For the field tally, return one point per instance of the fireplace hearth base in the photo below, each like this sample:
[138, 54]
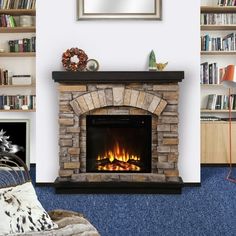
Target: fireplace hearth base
[70, 187]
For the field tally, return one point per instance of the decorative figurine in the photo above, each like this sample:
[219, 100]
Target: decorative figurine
[152, 62]
[161, 66]
[24, 107]
[92, 65]
[6, 107]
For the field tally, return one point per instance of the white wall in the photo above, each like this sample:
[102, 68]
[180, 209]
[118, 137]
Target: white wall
[209, 2]
[119, 45]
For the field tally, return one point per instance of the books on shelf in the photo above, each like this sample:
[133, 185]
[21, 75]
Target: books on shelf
[226, 3]
[17, 4]
[23, 45]
[218, 19]
[227, 43]
[16, 102]
[220, 102]
[210, 73]
[4, 77]
[7, 21]
[210, 118]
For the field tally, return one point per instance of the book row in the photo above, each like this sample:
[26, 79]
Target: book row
[226, 3]
[7, 21]
[16, 102]
[210, 73]
[4, 77]
[210, 118]
[221, 102]
[7, 79]
[227, 43]
[218, 19]
[23, 45]
[17, 4]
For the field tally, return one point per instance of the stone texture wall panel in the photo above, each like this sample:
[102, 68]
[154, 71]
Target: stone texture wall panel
[160, 101]
[89, 101]
[82, 104]
[118, 96]
[102, 98]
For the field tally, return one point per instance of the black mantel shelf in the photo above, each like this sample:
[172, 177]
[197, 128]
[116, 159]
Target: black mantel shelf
[117, 77]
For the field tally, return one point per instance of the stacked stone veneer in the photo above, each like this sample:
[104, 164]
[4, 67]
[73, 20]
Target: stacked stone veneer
[77, 101]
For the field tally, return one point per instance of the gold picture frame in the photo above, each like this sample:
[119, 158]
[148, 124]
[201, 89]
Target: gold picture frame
[104, 9]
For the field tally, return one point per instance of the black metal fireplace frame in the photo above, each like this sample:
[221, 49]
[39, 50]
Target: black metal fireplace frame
[144, 121]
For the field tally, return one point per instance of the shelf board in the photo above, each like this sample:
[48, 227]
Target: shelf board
[18, 29]
[18, 86]
[18, 12]
[218, 27]
[218, 53]
[212, 85]
[218, 9]
[19, 110]
[216, 111]
[17, 54]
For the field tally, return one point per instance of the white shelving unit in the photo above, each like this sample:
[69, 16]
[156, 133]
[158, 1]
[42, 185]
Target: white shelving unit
[214, 134]
[17, 63]
[223, 58]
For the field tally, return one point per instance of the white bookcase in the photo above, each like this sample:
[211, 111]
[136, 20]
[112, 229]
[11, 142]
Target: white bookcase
[222, 58]
[214, 134]
[19, 63]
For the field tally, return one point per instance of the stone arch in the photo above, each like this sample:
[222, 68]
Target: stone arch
[118, 96]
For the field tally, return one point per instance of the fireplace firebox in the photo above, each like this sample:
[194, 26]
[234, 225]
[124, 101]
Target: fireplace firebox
[118, 143]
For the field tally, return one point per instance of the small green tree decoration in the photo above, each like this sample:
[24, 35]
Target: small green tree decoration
[152, 62]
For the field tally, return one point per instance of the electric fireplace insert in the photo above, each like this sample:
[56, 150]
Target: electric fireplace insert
[118, 143]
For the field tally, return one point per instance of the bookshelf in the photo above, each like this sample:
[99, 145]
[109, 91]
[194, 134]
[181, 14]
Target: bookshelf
[218, 9]
[218, 27]
[214, 134]
[17, 86]
[222, 58]
[216, 111]
[18, 12]
[219, 53]
[19, 110]
[17, 63]
[17, 54]
[211, 86]
[18, 29]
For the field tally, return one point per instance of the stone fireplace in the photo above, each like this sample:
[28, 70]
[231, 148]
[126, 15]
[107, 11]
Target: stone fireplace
[118, 131]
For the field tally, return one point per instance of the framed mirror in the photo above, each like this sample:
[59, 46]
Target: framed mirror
[119, 9]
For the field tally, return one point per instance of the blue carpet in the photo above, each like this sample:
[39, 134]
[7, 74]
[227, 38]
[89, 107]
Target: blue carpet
[207, 210]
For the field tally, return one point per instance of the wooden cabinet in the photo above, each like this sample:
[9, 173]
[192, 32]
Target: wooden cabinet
[215, 142]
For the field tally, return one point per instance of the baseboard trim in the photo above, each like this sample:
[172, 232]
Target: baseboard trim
[44, 185]
[70, 187]
[217, 165]
[192, 185]
[53, 185]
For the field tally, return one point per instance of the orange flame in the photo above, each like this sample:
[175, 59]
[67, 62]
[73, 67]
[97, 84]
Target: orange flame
[118, 160]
